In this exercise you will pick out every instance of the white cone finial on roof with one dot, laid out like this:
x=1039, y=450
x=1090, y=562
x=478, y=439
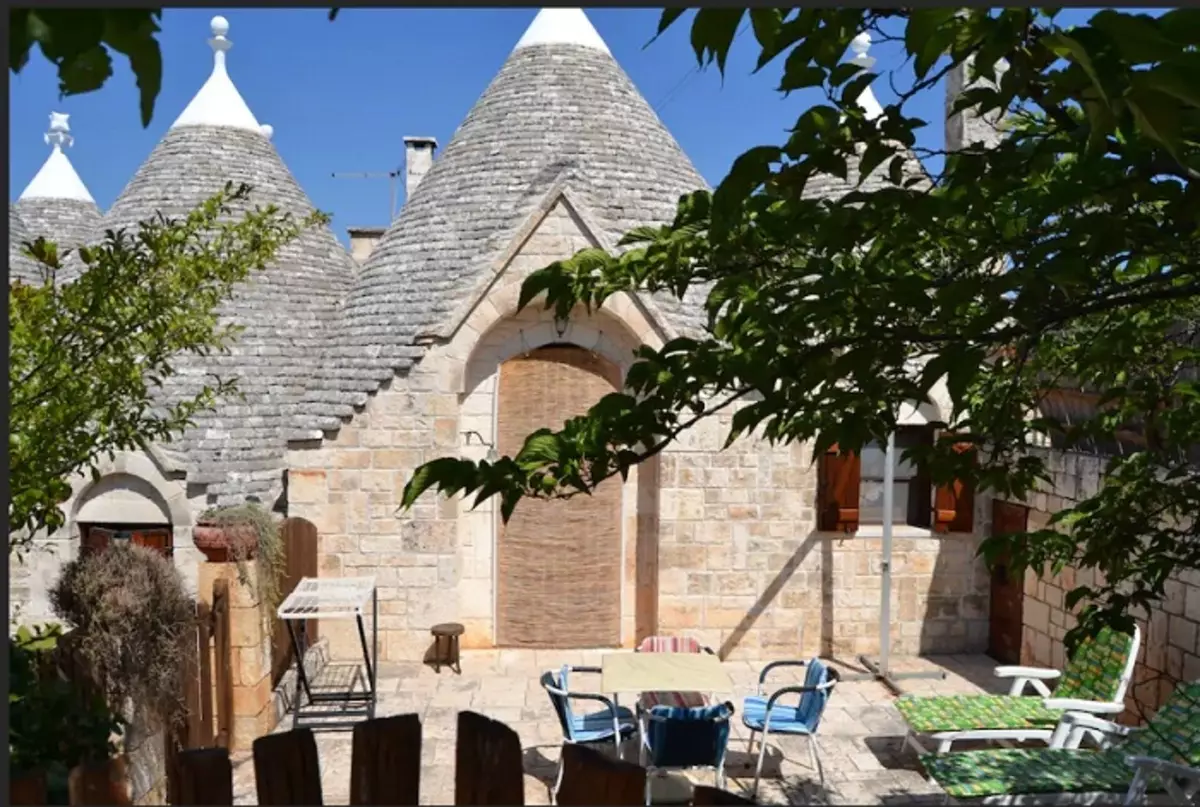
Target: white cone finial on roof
x=57, y=179
x=267, y=130
x=59, y=133
x=561, y=26
x=218, y=103
x=860, y=45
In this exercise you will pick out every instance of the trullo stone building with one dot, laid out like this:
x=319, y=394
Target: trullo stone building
x=355, y=374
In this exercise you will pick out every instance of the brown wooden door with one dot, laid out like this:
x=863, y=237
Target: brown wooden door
x=300, y=548
x=1008, y=589
x=558, y=561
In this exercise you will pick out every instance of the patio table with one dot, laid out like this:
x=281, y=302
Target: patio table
x=333, y=598
x=663, y=672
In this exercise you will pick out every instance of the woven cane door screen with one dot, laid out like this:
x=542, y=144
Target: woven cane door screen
x=558, y=561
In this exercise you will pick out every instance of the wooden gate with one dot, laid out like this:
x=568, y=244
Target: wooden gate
x=300, y=546
x=1006, y=617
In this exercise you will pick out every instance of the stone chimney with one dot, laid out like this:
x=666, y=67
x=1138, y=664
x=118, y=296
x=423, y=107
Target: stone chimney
x=418, y=158
x=363, y=241
x=967, y=126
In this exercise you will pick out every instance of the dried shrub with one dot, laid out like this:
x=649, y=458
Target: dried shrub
x=133, y=621
x=267, y=551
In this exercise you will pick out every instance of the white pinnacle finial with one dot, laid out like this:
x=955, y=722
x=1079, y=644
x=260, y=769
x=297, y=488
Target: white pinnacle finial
x=267, y=130
x=218, y=103
x=561, y=26
x=219, y=44
x=59, y=133
x=860, y=45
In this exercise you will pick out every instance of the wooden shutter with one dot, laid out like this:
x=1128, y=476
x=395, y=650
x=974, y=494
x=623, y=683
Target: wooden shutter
x=97, y=539
x=837, y=491
x=954, y=504
x=156, y=538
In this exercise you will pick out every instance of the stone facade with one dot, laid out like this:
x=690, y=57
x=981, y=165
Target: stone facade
x=720, y=545
x=1170, y=650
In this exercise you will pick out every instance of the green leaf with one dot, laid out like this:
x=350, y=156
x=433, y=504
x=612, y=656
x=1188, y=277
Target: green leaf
x=925, y=38
x=669, y=16
x=713, y=31
x=333, y=12
x=1158, y=116
x=84, y=72
x=132, y=34
x=766, y=23
x=1071, y=48
x=876, y=153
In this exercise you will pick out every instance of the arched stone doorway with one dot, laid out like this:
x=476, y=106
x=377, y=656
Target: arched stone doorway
x=558, y=562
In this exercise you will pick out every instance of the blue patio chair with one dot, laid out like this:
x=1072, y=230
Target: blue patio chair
x=613, y=724
x=763, y=713
x=681, y=738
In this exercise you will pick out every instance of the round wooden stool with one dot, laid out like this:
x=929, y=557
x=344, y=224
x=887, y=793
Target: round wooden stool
x=445, y=646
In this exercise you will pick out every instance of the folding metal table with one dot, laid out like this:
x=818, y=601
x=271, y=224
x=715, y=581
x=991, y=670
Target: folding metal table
x=326, y=598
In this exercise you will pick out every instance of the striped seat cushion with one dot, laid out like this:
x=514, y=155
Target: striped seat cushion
x=669, y=644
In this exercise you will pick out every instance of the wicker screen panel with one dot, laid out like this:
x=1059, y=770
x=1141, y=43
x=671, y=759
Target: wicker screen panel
x=558, y=561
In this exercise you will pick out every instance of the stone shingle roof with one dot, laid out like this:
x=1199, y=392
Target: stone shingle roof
x=558, y=113
x=56, y=204
x=20, y=266
x=286, y=311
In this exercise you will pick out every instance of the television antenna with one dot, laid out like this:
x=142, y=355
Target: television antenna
x=392, y=176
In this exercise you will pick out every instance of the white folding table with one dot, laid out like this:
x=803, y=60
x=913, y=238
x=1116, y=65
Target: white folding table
x=327, y=598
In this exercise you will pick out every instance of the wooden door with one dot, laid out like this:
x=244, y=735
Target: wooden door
x=558, y=561
x=1007, y=612
x=300, y=548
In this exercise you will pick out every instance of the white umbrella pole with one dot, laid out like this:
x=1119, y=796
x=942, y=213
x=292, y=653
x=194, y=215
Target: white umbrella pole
x=885, y=608
x=881, y=671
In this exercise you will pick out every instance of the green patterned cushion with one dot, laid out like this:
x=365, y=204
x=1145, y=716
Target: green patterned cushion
x=1094, y=672
x=930, y=715
x=996, y=772
x=1173, y=734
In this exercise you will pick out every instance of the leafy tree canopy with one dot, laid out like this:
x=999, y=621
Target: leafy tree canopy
x=88, y=359
x=1064, y=256
x=81, y=43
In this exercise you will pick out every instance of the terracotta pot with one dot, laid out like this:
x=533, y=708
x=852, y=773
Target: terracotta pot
x=217, y=541
x=29, y=788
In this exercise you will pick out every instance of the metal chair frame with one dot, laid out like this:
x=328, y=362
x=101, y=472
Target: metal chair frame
x=645, y=716
x=813, y=746
x=548, y=682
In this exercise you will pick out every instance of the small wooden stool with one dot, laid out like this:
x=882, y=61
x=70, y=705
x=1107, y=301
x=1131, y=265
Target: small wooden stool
x=445, y=646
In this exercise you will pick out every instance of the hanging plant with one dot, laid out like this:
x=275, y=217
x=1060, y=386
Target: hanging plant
x=246, y=533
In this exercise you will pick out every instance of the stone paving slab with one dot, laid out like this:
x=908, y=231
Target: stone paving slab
x=861, y=751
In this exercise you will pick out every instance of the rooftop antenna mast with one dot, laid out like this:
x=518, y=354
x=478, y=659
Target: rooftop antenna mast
x=391, y=177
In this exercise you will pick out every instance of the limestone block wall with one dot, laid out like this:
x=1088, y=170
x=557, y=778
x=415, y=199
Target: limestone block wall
x=1170, y=649
x=743, y=567
x=31, y=579
x=250, y=656
x=435, y=562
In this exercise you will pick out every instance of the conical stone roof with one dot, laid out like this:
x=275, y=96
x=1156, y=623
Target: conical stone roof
x=56, y=205
x=560, y=113
x=20, y=266
x=286, y=310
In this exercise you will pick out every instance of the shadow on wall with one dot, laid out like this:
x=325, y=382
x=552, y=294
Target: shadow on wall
x=939, y=597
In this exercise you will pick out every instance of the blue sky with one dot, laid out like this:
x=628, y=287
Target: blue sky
x=342, y=95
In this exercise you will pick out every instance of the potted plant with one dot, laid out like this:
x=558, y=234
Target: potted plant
x=245, y=533
x=53, y=724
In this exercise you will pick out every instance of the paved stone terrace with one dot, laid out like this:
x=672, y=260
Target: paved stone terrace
x=860, y=736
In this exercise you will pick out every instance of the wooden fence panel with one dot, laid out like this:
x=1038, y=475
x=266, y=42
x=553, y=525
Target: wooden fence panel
x=592, y=777
x=28, y=790
x=104, y=783
x=203, y=734
x=286, y=769
x=223, y=662
x=300, y=547
x=488, y=767
x=205, y=777
x=385, y=761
